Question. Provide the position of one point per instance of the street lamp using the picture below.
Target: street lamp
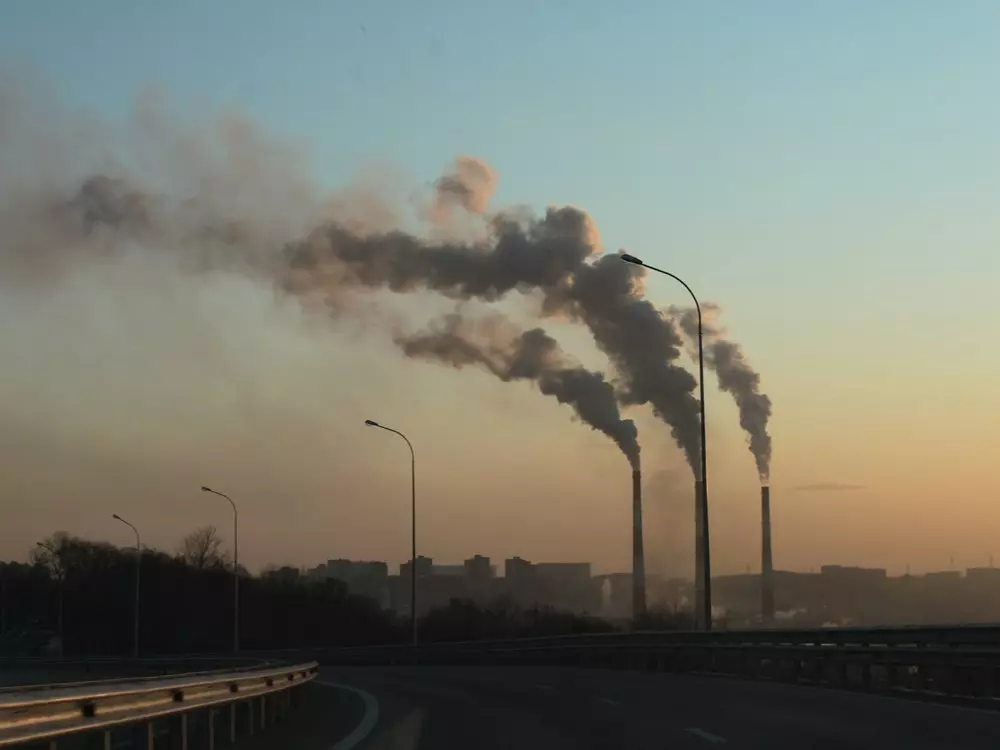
(706, 613)
(236, 567)
(138, 570)
(413, 527)
(61, 577)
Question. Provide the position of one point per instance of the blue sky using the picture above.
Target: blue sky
(827, 171)
(678, 124)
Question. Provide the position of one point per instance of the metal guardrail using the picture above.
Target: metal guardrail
(147, 671)
(956, 664)
(912, 637)
(49, 713)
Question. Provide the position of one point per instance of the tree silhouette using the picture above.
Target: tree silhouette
(202, 549)
(186, 605)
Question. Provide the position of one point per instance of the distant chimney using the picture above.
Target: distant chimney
(638, 558)
(699, 559)
(766, 565)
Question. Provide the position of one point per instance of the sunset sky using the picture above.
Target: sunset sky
(827, 172)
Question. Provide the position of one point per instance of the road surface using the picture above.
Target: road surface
(531, 708)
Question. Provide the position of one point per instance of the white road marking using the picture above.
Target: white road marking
(610, 701)
(544, 687)
(713, 738)
(368, 721)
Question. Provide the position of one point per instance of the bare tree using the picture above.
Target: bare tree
(202, 549)
(54, 553)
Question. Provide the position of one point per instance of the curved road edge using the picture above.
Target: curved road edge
(368, 720)
(531, 708)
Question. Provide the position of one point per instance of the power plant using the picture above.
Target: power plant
(766, 564)
(638, 557)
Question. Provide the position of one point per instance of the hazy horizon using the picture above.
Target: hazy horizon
(836, 213)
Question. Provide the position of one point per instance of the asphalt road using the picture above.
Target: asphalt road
(528, 708)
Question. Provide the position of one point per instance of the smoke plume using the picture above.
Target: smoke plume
(551, 255)
(228, 219)
(469, 185)
(736, 377)
(496, 345)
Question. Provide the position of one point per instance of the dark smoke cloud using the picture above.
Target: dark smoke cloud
(496, 345)
(230, 220)
(551, 255)
(524, 256)
(736, 377)
(200, 196)
(641, 342)
(829, 487)
(108, 202)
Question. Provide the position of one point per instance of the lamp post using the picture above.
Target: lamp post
(61, 579)
(138, 570)
(413, 528)
(236, 567)
(706, 557)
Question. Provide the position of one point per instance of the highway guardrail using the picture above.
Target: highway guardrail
(957, 664)
(140, 707)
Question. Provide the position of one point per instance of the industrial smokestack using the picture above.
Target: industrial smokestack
(699, 558)
(766, 565)
(638, 558)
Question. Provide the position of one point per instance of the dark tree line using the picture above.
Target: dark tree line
(86, 591)
(465, 620)
(81, 594)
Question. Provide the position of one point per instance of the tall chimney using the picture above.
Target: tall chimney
(638, 558)
(699, 559)
(766, 565)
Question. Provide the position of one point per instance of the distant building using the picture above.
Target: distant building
(478, 568)
(285, 574)
(438, 584)
(853, 573)
(943, 575)
(365, 578)
(448, 570)
(564, 574)
(518, 571)
(317, 573)
(425, 567)
(984, 575)
(567, 586)
(520, 581)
